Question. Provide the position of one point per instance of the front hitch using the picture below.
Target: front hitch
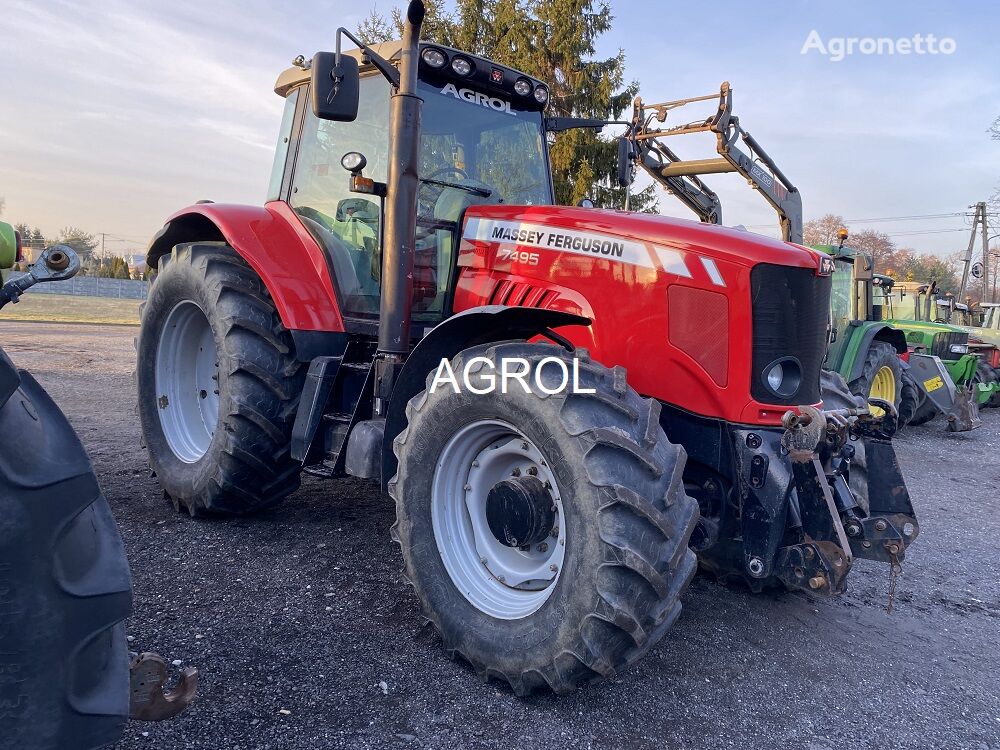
(834, 528)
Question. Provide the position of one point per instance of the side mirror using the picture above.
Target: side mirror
(335, 88)
(624, 176)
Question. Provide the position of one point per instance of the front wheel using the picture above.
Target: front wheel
(880, 376)
(546, 536)
(218, 384)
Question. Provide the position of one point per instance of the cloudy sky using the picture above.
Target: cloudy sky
(114, 114)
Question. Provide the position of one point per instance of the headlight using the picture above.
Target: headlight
(461, 66)
(783, 377)
(959, 348)
(522, 87)
(434, 57)
(541, 94)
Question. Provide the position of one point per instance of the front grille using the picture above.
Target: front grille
(945, 340)
(791, 311)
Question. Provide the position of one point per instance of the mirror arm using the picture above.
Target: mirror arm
(384, 66)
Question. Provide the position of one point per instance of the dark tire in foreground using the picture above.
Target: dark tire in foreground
(594, 579)
(65, 586)
(218, 384)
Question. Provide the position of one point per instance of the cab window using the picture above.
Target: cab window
(346, 224)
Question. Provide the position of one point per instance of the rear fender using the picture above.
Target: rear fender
(477, 325)
(275, 244)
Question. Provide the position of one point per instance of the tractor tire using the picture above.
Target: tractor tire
(836, 395)
(881, 361)
(924, 413)
(987, 376)
(909, 396)
(65, 585)
(218, 384)
(604, 586)
(994, 402)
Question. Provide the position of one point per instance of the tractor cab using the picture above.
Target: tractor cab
(482, 142)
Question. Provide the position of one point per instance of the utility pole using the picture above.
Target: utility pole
(980, 216)
(986, 257)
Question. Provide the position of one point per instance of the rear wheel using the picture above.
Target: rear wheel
(880, 376)
(545, 535)
(65, 586)
(909, 396)
(218, 384)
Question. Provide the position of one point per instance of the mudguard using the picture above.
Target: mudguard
(275, 244)
(477, 325)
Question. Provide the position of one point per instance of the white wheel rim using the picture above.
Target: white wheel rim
(187, 382)
(504, 582)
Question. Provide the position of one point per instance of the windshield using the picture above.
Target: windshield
(483, 141)
(840, 297)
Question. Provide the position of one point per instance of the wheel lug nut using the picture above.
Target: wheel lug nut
(533, 471)
(554, 568)
(524, 445)
(555, 531)
(543, 547)
(516, 473)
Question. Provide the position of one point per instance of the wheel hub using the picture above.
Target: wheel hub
(498, 519)
(520, 511)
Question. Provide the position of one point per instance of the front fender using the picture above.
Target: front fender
(872, 333)
(477, 325)
(275, 244)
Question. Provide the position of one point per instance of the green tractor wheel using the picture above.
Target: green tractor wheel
(880, 376)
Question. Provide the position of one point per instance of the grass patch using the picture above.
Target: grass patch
(66, 308)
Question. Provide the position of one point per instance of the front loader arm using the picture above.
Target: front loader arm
(738, 152)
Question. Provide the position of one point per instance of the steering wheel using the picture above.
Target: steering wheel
(447, 170)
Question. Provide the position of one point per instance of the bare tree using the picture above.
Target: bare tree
(877, 244)
(822, 231)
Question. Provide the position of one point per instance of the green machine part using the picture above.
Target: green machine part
(8, 249)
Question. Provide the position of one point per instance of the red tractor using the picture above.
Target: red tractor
(548, 532)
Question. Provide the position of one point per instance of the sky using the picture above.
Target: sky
(115, 114)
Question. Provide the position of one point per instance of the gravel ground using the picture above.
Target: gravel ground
(306, 636)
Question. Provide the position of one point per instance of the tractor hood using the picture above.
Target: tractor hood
(631, 237)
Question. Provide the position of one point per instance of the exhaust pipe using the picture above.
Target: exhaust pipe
(400, 214)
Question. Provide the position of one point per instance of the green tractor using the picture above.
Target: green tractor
(10, 249)
(929, 326)
(982, 323)
(863, 348)
(880, 358)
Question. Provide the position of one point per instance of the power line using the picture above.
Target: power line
(914, 217)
